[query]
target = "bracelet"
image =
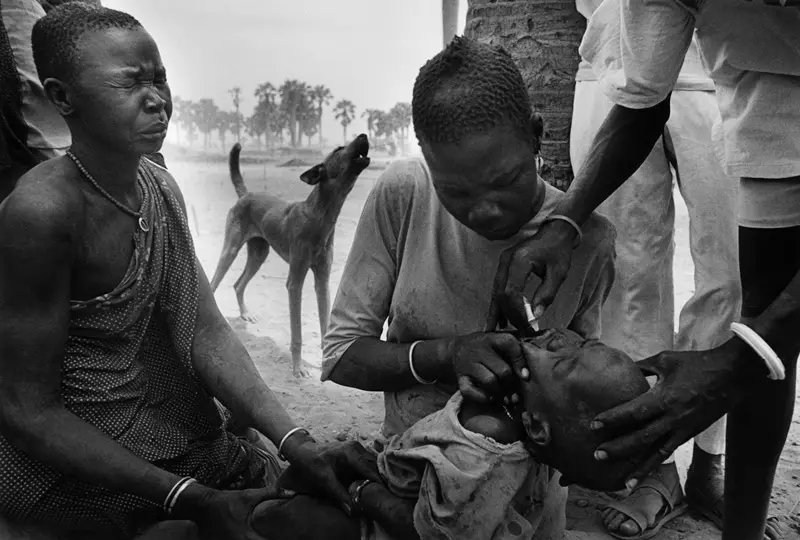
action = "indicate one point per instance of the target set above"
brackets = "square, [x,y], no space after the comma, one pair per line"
[560,217]
[411,365]
[357,495]
[286,437]
[777,372]
[177,489]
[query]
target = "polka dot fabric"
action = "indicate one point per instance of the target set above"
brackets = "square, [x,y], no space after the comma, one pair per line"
[128,371]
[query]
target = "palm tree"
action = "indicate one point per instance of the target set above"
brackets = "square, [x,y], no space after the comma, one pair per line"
[178,110]
[543,38]
[372,115]
[226,121]
[401,116]
[236,95]
[292,92]
[322,96]
[449,20]
[266,110]
[345,112]
[207,112]
[307,117]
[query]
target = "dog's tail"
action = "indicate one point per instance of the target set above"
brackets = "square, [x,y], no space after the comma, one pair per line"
[236,173]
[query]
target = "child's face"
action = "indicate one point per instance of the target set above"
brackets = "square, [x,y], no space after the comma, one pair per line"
[120,96]
[573,371]
[571,381]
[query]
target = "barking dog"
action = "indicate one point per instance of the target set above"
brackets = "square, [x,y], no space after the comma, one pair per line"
[300,232]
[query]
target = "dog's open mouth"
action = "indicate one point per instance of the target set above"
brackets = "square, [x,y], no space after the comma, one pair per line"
[362,160]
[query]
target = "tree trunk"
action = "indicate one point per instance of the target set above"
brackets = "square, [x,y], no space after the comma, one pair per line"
[543,37]
[344,132]
[293,127]
[449,20]
[319,126]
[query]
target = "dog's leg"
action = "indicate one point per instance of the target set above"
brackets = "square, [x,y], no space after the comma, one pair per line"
[234,240]
[257,251]
[322,275]
[298,269]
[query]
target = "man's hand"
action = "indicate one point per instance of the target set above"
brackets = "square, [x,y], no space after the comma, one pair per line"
[548,254]
[694,390]
[488,365]
[327,469]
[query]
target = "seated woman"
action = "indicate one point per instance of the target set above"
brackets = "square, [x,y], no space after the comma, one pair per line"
[461,472]
[428,244]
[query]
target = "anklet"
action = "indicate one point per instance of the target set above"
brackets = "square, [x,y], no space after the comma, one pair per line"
[777,372]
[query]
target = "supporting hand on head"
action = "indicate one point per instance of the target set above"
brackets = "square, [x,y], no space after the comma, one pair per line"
[694,390]
[547,254]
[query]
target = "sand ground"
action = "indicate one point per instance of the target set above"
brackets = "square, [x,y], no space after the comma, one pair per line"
[332,411]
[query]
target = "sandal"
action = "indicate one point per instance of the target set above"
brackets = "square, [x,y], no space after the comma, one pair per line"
[673,506]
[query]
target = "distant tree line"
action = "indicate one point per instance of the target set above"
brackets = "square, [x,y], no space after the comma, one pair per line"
[284,115]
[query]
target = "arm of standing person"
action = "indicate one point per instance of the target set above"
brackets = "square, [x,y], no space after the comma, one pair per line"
[636,49]
[355,355]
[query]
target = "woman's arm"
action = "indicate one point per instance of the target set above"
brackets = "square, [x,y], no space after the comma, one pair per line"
[354,354]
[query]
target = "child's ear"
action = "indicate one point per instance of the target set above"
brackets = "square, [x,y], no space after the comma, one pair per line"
[537,430]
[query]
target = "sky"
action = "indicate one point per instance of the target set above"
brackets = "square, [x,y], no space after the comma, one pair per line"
[367,51]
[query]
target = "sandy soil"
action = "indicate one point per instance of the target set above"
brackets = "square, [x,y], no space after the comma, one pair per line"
[332,411]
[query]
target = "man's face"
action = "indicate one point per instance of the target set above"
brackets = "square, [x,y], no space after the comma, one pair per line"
[120,94]
[488,182]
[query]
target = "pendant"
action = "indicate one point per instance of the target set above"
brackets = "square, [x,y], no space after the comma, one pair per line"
[143,225]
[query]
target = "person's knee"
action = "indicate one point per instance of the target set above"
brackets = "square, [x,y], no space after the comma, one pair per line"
[171,530]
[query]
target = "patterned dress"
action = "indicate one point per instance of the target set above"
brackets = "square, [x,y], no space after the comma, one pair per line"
[128,371]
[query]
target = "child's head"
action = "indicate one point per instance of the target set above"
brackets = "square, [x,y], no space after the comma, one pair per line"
[568,386]
[104,74]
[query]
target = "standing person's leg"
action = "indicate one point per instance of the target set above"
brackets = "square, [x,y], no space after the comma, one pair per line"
[757,427]
[705,319]
[638,316]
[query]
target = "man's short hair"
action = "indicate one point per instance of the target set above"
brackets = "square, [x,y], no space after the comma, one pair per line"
[466,89]
[56,36]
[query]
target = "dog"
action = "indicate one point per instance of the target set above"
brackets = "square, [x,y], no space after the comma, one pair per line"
[300,232]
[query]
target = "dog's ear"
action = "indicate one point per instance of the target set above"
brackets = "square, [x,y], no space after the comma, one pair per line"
[537,127]
[315,175]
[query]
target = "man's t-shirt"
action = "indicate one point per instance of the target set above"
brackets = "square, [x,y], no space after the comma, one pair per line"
[416,267]
[692,75]
[750,49]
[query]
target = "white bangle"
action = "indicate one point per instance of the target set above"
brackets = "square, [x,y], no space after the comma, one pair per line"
[777,372]
[411,365]
[286,437]
[177,489]
[572,222]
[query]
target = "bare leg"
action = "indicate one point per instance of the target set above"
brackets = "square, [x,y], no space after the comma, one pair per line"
[757,428]
[257,251]
[304,518]
[297,275]
[322,273]
[171,530]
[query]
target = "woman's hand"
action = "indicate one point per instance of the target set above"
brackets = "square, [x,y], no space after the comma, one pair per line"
[327,469]
[488,366]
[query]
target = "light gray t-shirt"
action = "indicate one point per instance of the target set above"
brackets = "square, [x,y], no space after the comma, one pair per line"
[414,265]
